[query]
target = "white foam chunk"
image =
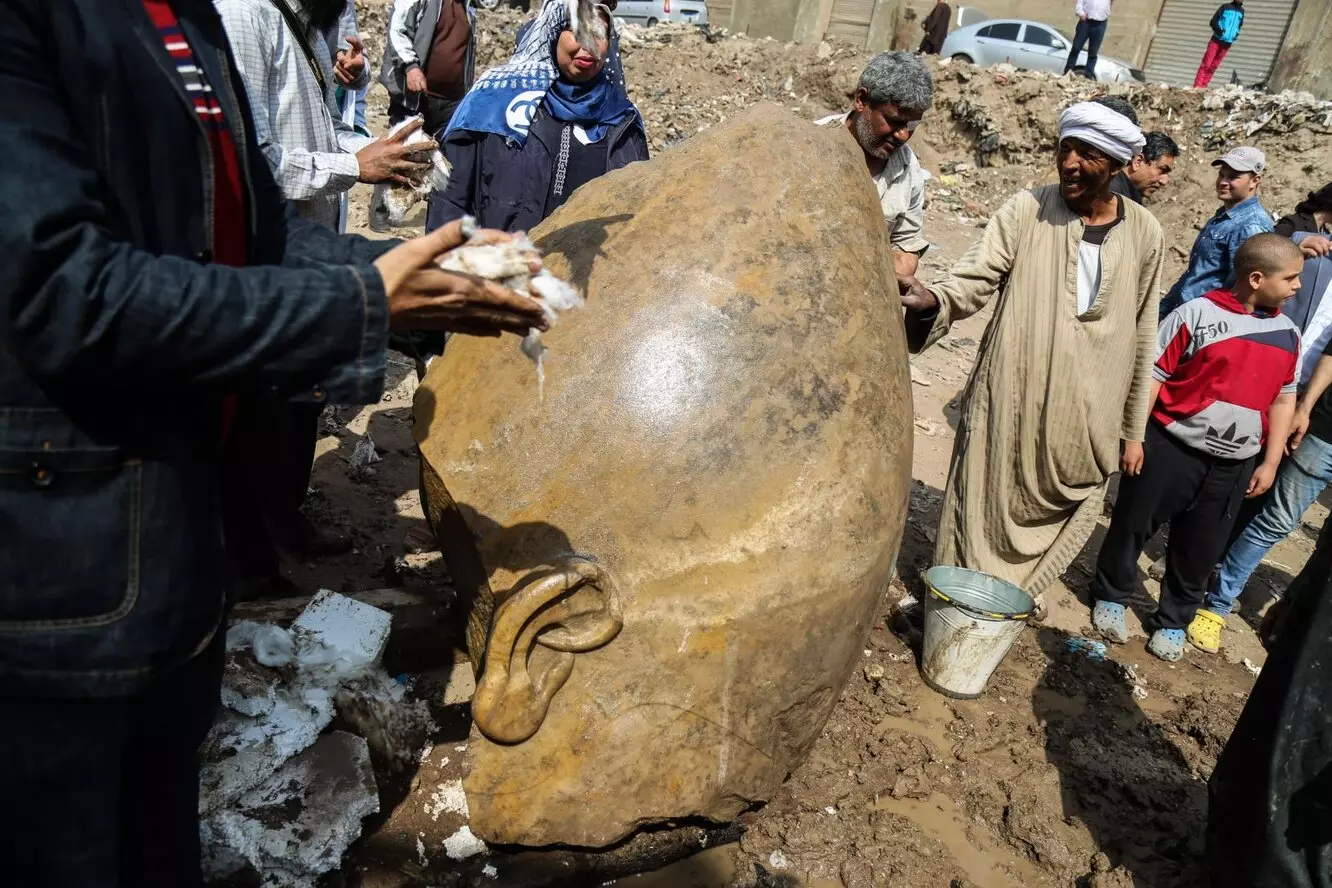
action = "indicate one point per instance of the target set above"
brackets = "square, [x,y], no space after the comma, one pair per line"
[357,632]
[463,844]
[296,826]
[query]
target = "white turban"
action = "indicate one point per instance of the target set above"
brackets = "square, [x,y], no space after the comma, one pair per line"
[1102,128]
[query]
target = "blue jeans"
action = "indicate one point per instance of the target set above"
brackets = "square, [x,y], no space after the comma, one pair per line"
[1299,481]
[1091,33]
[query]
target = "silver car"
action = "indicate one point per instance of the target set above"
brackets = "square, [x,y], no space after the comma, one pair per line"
[1026,44]
[650,12]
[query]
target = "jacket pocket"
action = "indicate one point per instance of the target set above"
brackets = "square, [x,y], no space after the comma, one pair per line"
[70,518]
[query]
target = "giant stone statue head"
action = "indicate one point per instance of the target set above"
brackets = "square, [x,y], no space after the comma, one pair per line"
[673,560]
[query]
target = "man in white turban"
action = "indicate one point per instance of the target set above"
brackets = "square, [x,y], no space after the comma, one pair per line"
[1057,401]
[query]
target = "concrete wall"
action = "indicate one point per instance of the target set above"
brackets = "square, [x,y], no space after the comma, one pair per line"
[767,18]
[883,26]
[1132,23]
[1304,59]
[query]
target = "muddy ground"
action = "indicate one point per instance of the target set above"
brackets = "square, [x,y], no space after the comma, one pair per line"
[1058,775]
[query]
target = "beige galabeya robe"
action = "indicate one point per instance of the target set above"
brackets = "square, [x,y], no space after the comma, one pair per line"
[1052,393]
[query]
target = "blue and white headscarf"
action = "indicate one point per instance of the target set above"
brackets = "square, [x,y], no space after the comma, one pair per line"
[505,99]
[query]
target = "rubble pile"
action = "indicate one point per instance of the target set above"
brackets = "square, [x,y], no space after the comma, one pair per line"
[279,795]
[997,127]
[1249,112]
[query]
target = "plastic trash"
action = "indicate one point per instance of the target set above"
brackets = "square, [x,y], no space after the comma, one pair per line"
[1094,650]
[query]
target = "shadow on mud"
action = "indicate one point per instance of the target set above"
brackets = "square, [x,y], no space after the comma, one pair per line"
[1120,774]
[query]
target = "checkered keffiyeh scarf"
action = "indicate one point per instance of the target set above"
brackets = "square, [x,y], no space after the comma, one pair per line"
[505,99]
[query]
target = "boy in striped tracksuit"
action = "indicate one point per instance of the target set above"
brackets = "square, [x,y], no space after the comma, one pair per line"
[1223,394]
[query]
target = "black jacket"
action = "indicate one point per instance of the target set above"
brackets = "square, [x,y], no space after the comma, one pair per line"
[1303,218]
[505,186]
[119,339]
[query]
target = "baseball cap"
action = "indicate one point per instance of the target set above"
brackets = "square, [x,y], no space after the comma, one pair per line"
[1243,159]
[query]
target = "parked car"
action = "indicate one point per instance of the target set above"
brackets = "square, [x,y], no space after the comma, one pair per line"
[1031,45]
[650,12]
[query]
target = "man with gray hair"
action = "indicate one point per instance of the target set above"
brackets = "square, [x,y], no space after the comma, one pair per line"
[895,92]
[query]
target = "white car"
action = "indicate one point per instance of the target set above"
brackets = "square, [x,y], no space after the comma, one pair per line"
[650,12]
[1031,45]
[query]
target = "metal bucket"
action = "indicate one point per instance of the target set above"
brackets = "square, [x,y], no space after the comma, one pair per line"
[971,620]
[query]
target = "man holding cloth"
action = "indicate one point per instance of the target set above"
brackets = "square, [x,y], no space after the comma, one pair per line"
[282,54]
[1058,399]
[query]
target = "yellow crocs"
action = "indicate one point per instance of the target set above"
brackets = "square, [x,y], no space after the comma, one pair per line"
[1205,631]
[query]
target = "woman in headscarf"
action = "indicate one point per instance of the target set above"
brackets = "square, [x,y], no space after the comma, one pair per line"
[534,130]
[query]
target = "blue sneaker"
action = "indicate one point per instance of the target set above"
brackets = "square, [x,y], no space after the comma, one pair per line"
[1168,644]
[1111,621]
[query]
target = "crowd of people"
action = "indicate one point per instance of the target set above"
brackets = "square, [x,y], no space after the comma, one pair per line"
[181,302]
[1089,30]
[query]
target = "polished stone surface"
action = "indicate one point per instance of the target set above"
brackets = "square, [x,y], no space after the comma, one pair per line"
[675,558]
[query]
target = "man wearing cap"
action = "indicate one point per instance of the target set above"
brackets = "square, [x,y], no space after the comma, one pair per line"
[1212,262]
[1058,399]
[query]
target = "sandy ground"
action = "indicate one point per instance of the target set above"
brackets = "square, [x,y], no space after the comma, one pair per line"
[1058,775]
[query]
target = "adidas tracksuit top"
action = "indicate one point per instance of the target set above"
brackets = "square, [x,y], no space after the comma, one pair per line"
[1220,369]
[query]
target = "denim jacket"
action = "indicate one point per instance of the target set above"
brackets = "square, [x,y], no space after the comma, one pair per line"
[119,340]
[1212,262]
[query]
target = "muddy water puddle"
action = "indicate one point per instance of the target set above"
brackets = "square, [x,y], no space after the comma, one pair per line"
[940,819]
[713,868]
[930,721]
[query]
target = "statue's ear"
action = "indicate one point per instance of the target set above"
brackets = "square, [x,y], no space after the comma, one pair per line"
[554,614]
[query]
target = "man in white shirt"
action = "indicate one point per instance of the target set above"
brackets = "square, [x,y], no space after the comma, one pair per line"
[894,93]
[282,52]
[1092,18]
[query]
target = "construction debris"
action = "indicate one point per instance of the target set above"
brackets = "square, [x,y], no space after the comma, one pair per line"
[275,795]
[296,825]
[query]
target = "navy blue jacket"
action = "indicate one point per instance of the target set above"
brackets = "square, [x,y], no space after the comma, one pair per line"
[504,185]
[118,339]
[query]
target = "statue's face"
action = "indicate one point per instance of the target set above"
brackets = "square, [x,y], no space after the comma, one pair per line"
[676,556]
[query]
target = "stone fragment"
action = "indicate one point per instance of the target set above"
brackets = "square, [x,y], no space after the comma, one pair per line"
[296,825]
[676,558]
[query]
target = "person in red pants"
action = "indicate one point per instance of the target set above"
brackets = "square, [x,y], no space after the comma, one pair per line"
[1226,24]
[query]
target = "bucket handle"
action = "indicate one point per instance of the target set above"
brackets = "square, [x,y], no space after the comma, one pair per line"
[972,609]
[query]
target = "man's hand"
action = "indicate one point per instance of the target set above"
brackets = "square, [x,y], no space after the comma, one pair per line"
[390,159]
[350,63]
[1299,427]
[1130,457]
[1262,479]
[416,81]
[1315,247]
[914,295]
[423,297]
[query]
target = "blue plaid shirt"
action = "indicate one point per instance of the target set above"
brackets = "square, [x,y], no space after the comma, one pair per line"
[1212,262]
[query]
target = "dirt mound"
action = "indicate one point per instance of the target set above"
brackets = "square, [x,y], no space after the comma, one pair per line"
[999,123]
